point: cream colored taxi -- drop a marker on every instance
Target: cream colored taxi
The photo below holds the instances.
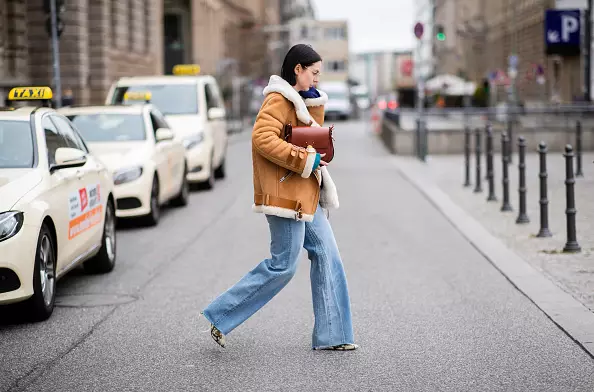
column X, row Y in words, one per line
column 135, row 142
column 57, row 208
column 193, row 106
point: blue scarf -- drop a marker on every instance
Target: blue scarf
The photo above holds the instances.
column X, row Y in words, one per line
column 311, row 93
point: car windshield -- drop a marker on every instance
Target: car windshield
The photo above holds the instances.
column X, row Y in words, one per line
column 16, row 144
column 169, row 98
column 109, row 127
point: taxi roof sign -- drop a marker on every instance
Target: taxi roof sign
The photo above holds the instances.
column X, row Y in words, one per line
column 138, row 96
column 30, row 93
column 186, row 69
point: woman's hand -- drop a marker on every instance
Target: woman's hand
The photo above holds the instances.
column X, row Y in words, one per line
column 322, row 162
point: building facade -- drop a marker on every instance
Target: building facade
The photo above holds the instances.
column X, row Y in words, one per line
column 330, row 38
column 104, row 40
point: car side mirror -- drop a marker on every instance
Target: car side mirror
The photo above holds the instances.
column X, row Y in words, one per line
column 164, row 134
column 67, row 157
column 216, row 113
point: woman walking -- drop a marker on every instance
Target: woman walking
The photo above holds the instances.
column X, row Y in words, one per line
column 291, row 186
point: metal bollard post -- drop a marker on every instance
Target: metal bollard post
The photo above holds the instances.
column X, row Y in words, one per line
column 478, row 186
column 571, row 246
column 522, row 216
column 418, row 138
column 467, row 156
column 578, row 149
column 544, row 201
column 490, row 168
column 506, row 206
column 510, row 145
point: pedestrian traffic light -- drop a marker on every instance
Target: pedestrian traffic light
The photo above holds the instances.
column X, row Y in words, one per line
column 440, row 34
column 47, row 9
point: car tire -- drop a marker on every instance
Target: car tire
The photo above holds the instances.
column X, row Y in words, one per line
column 181, row 200
column 220, row 171
column 210, row 182
column 41, row 304
column 104, row 261
column 153, row 217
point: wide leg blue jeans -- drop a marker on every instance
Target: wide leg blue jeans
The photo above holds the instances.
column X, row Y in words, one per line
column 331, row 303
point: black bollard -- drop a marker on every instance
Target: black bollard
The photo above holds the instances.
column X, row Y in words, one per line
column 510, row 145
column 571, row 246
column 478, row 186
column 522, row 216
column 578, row 149
column 506, row 206
column 467, row 156
column 544, row 201
column 418, row 138
column 490, row 168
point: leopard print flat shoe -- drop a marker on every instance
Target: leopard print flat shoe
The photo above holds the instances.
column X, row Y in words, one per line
column 340, row 347
column 217, row 336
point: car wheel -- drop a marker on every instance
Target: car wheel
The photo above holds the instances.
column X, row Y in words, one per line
column 183, row 196
column 152, row 219
column 41, row 304
column 220, row 171
column 210, row 182
column 105, row 260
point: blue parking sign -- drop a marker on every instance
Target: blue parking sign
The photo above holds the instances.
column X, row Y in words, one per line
column 563, row 32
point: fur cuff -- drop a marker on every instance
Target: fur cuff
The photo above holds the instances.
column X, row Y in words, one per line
column 281, row 212
column 328, row 193
column 309, row 164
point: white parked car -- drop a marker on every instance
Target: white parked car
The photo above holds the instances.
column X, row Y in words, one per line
column 135, row 142
column 196, row 112
column 57, row 208
column 339, row 103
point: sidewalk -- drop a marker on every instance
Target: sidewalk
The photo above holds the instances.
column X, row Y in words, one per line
column 573, row 272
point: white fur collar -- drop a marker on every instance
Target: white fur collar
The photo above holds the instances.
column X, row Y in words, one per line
column 281, row 86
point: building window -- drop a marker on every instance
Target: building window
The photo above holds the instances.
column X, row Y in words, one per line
column 335, row 33
column 131, row 25
column 336, row 66
column 114, row 23
column 147, row 25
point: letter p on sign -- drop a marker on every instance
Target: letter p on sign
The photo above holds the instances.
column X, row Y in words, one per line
column 569, row 25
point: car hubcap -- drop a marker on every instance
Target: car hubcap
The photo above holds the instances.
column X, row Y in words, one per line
column 46, row 270
column 110, row 240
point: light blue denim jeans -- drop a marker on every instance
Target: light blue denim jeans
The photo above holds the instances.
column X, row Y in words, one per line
column 331, row 304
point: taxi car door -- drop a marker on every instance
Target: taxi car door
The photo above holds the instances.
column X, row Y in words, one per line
column 163, row 156
column 87, row 230
column 63, row 195
column 217, row 125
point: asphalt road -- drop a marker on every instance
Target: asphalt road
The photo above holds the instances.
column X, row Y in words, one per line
column 430, row 313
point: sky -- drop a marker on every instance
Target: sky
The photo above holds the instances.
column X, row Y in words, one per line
column 374, row 25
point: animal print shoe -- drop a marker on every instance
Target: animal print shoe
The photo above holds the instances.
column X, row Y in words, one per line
column 340, row 347
column 217, row 336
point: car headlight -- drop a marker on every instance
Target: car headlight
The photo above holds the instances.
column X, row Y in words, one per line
column 10, row 224
column 193, row 140
column 126, row 175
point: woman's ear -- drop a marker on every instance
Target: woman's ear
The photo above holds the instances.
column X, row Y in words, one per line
column 298, row 69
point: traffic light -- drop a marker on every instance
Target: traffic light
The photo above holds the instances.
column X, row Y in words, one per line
column 440, row 34
column 48, row 15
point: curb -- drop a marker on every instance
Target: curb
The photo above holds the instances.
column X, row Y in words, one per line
column 570, row 315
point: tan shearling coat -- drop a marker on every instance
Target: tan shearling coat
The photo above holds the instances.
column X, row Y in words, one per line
column 284, row 184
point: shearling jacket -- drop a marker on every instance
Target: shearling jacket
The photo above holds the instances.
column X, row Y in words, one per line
column 285, row 182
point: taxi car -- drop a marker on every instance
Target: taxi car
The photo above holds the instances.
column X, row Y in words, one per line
column 193, row 106
column 57, row 208
column 138, row 147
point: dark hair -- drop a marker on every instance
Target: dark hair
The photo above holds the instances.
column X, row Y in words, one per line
column 299, row 54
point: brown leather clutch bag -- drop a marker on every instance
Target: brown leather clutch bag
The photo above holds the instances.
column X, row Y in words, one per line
column 319, row 138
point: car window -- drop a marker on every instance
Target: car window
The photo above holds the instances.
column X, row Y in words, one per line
column 169, row 98
column 53, row 139
column 212, row 97
column 109, row 127
column 69, row 133
column 16, row 144
column 157, row 121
